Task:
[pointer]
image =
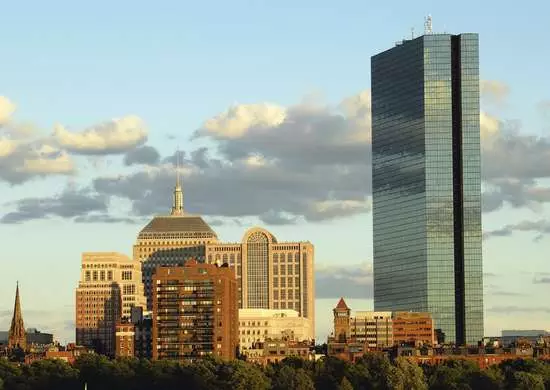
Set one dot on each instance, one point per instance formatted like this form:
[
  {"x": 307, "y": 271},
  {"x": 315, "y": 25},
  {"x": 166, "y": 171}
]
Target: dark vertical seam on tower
[{"x": 458, "y": 201}]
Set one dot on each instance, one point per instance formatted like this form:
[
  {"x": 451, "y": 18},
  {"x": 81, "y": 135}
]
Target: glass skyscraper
[{"x": 427, "y": 182}]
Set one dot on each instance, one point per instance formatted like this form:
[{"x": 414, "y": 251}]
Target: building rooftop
[
  {"x": 342, "y": 304},
  {"x": 177, "y": 224}
]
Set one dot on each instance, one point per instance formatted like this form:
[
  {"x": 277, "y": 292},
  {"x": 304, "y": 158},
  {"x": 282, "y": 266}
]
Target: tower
[
  {"x": 427, "y": 182},
  {"x": 17, "y": 337},
  {"x": 177, "y": 207},
  {"x": 342, "y": 315}
]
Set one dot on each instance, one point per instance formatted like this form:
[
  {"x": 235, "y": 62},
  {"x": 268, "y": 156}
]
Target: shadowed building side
[{"x": 110, "y": 286}]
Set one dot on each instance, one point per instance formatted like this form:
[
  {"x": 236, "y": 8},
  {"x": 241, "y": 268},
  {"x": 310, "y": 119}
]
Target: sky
[{"x": 269, "y": 103}]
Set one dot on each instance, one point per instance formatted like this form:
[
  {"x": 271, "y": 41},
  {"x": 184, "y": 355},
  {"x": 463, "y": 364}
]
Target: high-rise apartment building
[
  {"x": 426, "y": 182},
  {"x": 194, "y": 312},
  {"x": 110, "y": 286}
]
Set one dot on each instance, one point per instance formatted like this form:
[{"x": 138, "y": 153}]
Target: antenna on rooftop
[
  {"x": 428, "y": 25},
  {"x": 412, "y": 32}
]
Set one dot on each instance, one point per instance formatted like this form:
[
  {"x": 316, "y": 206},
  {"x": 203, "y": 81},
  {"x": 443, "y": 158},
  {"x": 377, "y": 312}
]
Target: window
[
  {"x": 129, "y": 289},
  {"x": 95, "y": 276},
  {"x": 126, "y": 275},
  {"x": 109, "y": 275},
  {"x": 102, "y": 276},
  {"x": 88, "y": 276}
]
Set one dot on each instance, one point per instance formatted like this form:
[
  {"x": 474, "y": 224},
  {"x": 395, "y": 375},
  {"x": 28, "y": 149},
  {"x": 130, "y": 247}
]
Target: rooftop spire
[
  {"x": 177, "y": 207},
  {"x": 17, "y": 336}
]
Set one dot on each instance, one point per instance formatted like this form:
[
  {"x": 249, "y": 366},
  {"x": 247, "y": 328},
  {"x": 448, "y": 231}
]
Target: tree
[
  {"x": 288, "y": 378},
  {"x": 413, "y": 377},
  {"x": 374, "y": 371},
  {"x": 528, "y": 381},
  {"x": 239, "y": 375},
  {"x": 345, "y": 384}
]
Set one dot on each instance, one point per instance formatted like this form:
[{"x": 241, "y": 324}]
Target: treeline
[{"x": 373, "y": 371}]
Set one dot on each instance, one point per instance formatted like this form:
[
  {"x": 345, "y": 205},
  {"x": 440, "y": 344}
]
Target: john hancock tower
[{"x": 427, "y": 182}]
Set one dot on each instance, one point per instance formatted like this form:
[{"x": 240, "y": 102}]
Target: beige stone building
[
  {"x": 270, "y": 274},
  {"x": 110, "y": 285},
  {"x": 259, "y": 325},
  {"x": 171, "y": 240},
  {"x": 373, "y": 328}
]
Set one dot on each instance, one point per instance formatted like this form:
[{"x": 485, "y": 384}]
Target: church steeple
[
  {"x": 177, "y": 206},
  {"x": 17, "y": 336}
]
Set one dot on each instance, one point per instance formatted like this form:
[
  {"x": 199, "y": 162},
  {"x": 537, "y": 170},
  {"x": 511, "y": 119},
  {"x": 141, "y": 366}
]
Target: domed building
[
  {"x": 171, "y": 240},
  {"x": 270, "y": 274}
]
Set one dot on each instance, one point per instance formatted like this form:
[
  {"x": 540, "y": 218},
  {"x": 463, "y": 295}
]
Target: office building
[
  {"x": 110, "y": 286},
  {"x": 427, "y": 182},
  {"x": 259, "y": 325},
  {"x": 413, "y": 328},
  {"x": 194, "y": 312},
  {"x": 270, "y": 274},
  {"x": 171, "y": 240},
  {"x": 369, "y": 328}
]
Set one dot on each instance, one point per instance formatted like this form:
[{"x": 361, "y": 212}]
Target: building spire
[
  {"x": 177, "y": 206},
  {"x": 17, "y": 336}
]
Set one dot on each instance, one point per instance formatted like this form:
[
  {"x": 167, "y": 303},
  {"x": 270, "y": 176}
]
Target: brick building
[
  {"x": 194, "y": 312},
  {"x": 374, "y": 331},
  {"x": 413, "y": 327}
]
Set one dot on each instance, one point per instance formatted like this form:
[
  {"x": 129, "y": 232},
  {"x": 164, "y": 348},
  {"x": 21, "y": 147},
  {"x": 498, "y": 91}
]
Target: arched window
[{"x": 258, "y": 270}]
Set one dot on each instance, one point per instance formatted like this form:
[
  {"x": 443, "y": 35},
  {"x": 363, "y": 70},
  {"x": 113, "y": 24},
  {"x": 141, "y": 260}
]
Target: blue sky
[{"x": 175, "y": 65}]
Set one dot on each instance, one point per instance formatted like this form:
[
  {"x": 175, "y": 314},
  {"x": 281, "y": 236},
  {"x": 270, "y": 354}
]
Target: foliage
[{"x": 373, "y": 371}]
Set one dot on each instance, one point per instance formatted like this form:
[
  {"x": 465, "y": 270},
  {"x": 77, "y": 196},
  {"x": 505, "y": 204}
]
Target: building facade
[
  {"x": 427, "y": 182},
  {"x": 259, "y": 325},
  {"x": 194, "y": 312},
  {"x": 363, "y": 331},
  {"x": 110, "y": 286},
  {"x": 125, "y": 339},
  {"x": 413, "y": 328},
  {"x": 270, "y": 275}
]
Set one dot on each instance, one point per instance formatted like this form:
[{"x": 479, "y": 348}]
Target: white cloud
[
  {"x": 7, "y": 108},
  {"x": 489, "y": 127},
  {"x": 495, "y": 91},
  {"x": 239, "y": 119},
  {"x": 112, "y": 137},
  {"x": 7, "y": 147},
  {"x": 48, "y": 160}
]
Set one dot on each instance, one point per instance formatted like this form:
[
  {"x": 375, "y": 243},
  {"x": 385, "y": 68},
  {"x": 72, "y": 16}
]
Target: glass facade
[{"x": 427, "y": 183}]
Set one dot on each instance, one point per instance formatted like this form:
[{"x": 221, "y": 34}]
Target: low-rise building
[
  {"x": 413, "y": 327},
  {"x": 273, "y": 351},
  {"x": 125, "y": 339},
  {"x": 375, "y": 331},
  {"x": 258, "y": 325}
]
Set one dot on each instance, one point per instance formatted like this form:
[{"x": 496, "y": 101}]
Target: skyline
[{"x": 85, "y": 80}]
